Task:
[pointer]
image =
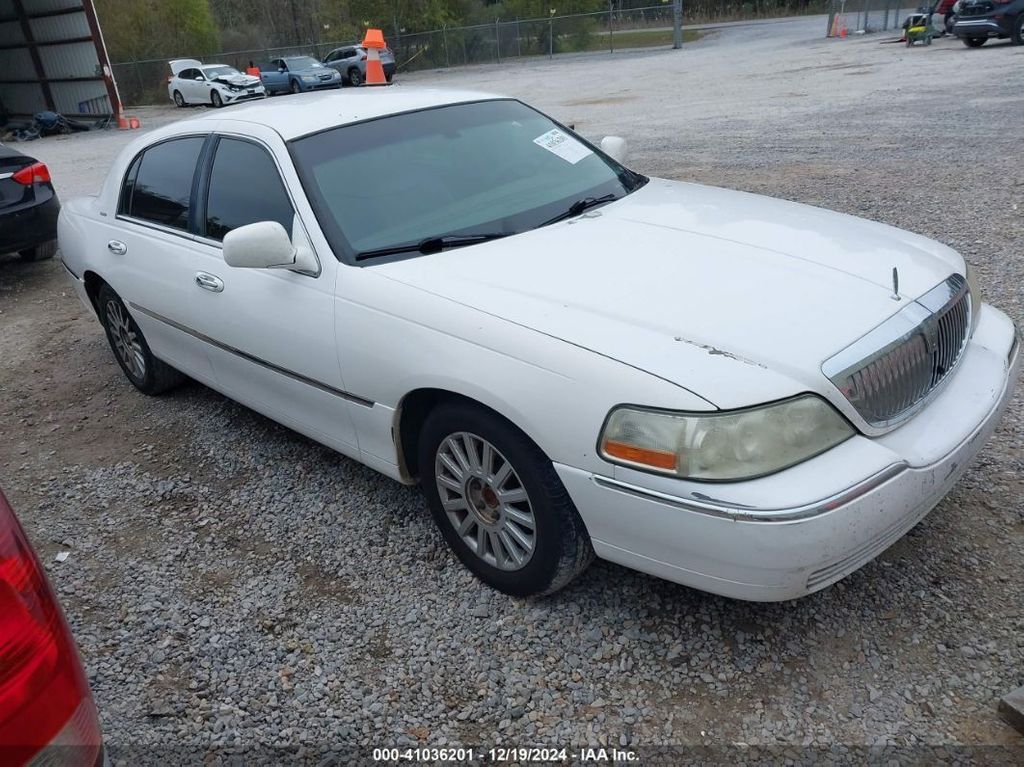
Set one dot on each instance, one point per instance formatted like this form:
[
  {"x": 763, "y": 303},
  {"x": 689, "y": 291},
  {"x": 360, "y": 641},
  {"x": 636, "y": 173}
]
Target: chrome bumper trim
[{"x": 740, "y": 513}]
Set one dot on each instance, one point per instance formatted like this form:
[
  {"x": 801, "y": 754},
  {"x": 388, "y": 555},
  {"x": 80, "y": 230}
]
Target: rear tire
[
  {"x": 39, "y": 252},
  {"x": 974, "y": 42},
  {"x": 148, "y": 374},
  {"x": 355, "y": 77},
  {"x": 511, "y": 485},
  {"x": 1017, "y": 37},
  {"x": 179, "y": 100}
]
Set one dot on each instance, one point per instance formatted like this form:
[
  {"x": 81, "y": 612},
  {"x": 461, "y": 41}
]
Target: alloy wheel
[
  {"x": 126, "y": 339},
  {"x": 485, "y": 501}
]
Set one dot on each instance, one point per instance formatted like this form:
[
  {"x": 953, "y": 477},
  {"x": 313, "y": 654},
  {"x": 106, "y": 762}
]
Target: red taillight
[
  {"x": 37, "y": 173},
  {"x": 44, "y": 694}
]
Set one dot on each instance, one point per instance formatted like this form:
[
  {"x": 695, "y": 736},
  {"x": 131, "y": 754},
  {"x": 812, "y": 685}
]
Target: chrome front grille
[{"x": 889, "y": 373}]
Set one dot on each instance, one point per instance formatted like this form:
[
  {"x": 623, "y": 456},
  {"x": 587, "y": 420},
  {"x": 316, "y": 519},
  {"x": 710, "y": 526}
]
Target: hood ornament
[{"x": 895, "y": 284}]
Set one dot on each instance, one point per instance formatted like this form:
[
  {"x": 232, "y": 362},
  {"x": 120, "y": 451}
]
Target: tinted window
[
  {"x": 245, "y": 187},
  {"x": 163, "y": 184}
]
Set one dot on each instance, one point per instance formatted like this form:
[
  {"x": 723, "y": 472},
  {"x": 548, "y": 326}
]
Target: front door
[{"x": 271, "y": 331}]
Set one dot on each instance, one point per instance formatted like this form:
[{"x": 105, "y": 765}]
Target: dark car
[
  {"x": 350, "y": 61},
  {"x": 28, "y": 206},
  {"x": 47, "y": 715},
  {"x": 978, "y": 20}
]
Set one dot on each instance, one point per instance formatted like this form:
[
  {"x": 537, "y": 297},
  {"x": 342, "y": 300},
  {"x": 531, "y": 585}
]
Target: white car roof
[{"x": 306, "y": 113}]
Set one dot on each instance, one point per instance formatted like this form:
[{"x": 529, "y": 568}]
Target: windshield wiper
[
  {"x": 433, "y": 244},
  {"x": 581, "y": 205}
]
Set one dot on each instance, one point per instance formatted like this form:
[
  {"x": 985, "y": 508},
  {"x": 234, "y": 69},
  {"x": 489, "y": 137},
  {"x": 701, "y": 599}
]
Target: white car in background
[
  {"x": 741, "y": 394},
  {"x": 192, "y": 82}
]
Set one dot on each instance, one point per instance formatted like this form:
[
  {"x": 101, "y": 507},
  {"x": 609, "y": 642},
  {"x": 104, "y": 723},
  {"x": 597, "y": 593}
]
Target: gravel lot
[{"x": 233, "y": 584}]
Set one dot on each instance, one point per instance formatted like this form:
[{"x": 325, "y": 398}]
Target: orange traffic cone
[
  {"x": 127, "y": 123},
  {"x": 374, "y": 44}
]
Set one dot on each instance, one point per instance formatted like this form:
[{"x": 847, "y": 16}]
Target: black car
[
  {"x": 28, "y": 206},
  {"x": 979, "y": 20}
]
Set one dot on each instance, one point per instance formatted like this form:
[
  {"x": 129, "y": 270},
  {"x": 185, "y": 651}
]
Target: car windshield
[
  {"x": 485, "y": 168},
  {"x": 302, "y": 62},
  {"x": 220, "y": 70}
]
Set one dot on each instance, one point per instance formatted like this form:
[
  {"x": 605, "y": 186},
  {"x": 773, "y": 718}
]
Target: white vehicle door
[
  {"x": 270, "y": 331},
  {"x": 188, "y": 85},
  {"x": 149, "y": 250}
]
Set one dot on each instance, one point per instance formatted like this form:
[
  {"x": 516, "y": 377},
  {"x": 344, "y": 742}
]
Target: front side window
[
  {"x": 159, "y": 187},
  {"x": 245, "y": 187},
  {"x": 485, "y": 168}
]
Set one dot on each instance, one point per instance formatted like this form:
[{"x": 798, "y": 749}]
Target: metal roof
[{"x": 52, "y": 57}]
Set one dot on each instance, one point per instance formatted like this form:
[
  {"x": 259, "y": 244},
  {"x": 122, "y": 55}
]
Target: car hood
[
  {"x": 738, "y": 298},
  {"x": 239, "y": 80}
]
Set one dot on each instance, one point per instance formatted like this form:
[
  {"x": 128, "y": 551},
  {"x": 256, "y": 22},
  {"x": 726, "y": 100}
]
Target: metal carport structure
[{"x": 53, "y": 58}]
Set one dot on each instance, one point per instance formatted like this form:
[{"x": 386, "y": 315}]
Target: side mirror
[
  {"x": 266, "y": 245},
  {"x": 614, "y": 147},
  {"x": 200, "y": 78}
]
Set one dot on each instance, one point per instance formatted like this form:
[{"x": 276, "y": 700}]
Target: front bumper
[
  {"x": 320, "y": 85},
  {"x": 234, "y": 97},
  {"x": 987, "y": 27},
  {"x": 802, "y": 529}
]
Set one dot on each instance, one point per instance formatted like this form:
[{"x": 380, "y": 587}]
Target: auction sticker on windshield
[{"x": 565, "y": 146}]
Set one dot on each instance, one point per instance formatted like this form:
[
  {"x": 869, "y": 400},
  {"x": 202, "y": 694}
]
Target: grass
[{"x": 640, "y": 38}]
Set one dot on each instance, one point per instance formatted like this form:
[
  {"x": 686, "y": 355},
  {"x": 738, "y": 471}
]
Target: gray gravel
[{"x": 231, "y": 583}]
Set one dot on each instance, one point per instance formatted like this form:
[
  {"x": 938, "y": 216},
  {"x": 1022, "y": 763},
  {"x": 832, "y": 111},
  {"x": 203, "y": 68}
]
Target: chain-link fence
[
  {"x": 144, "y": 82},
  {"x": 864, "y": 16}
]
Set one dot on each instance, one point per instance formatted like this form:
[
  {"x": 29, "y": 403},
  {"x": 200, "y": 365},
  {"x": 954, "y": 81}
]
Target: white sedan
[
  {"x": 211, "y": 84},
  {"x": 740, "y": 394}
]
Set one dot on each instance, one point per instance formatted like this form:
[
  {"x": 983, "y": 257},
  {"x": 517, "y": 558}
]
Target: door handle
[
  {"x": 209, "y": 282},
  {"x": 117, "y": 247}
]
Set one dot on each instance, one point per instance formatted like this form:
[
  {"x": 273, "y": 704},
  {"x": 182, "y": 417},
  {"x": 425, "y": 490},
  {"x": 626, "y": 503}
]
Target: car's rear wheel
[
  {"x": 974, "y": 42},
  {"x": 1017, "y": 38},
  {"x": 179, "y": 100},
  {"x": 355, "y": 77},
  {"x": 39, "y": 252},
  {"x": 216, "y": 100},
  {"x": 294, "y": 86},
  {"x": 146, "y": 372},
  {"x": 499, "y": 503}
]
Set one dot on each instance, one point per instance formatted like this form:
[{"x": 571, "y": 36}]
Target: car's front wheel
[
  {"x": 179, "y": 100},
  {"x": 355, "y": 77},
  {"x": 974, "y": 42},
  {"x": 216, "y": 100},
  {"x": 1017, "y": 38},
  {"x": 499, "y": 503},
  {"x": 294, "y": 86},
  {"x": 146, "y": 372},
  {"x": 39, "y": 252}
]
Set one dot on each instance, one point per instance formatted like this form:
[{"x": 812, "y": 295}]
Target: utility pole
[
  {"x": 677, "y": 24},
  {"x": 551, "y": 36}
]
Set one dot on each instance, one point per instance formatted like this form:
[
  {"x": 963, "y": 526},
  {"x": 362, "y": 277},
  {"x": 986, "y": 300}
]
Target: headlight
[
  {"x": 975, "y": 291},
  {"x": 723, "y": 446}
]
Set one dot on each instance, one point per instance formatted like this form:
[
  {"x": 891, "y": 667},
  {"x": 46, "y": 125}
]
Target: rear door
[{"x": 151, "y": 258}]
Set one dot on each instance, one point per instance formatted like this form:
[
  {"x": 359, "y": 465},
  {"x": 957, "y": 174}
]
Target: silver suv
[{"x": 350, "y": 61}]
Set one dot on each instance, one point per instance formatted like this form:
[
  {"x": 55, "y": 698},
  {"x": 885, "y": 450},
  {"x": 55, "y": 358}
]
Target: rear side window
[
  {"x": 159, "y": 186},
  {"x": 245, "y": 187}
]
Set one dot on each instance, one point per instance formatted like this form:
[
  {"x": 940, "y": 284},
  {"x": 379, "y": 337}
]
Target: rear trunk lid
[{"x": 11, "y": 192}]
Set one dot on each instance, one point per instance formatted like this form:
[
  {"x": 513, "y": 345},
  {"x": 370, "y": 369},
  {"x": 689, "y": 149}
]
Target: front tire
[
  {"x": 499, "y": 503},
  {"x": 355, "y": 77},
  {"x": 39, "y": 252},
  {"x": 179, "y": 100},
  {"x": 294, "y": 87},
  {"x": 216, "y": 100},
  {"x": 974, "y": 42},
  {"x": 148, "y": 374},
  {"x": 1017, "y": 36}
]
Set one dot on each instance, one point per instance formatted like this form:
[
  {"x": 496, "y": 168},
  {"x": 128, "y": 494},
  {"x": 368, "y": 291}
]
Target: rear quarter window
[{"x": 158, "y": 185}]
